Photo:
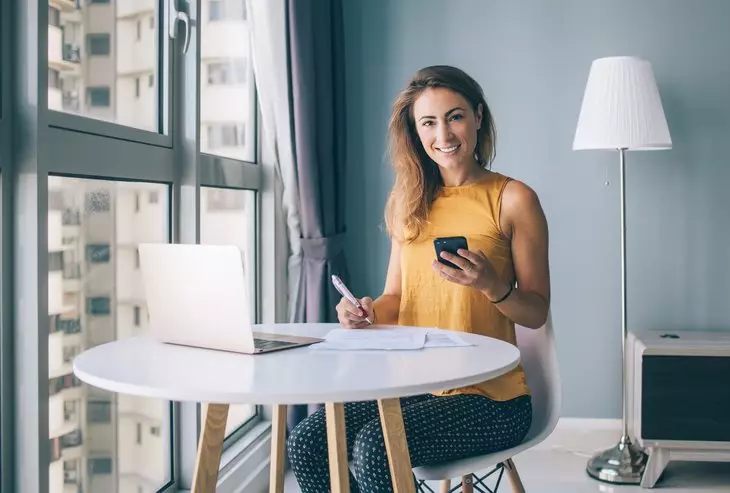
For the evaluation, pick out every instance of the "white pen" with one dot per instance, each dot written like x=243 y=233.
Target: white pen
x=342 y=289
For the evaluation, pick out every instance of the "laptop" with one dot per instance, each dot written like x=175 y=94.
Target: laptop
x=197 y=295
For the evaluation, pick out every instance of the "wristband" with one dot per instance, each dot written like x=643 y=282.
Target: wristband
x=509 y=292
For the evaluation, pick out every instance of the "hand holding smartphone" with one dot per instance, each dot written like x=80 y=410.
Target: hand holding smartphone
x=450 y=244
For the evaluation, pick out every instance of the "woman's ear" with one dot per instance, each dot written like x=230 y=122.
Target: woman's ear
x=479 y=116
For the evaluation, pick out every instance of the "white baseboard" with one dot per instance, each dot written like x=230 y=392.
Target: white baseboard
x=582 y=436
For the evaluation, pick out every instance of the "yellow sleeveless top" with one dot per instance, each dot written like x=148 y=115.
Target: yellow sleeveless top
x=427 y=300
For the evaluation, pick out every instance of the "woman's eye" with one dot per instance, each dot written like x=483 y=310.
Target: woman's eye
x=427 y=123
x=456 y=117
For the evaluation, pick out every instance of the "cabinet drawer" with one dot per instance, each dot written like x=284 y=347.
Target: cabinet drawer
x=686 y=398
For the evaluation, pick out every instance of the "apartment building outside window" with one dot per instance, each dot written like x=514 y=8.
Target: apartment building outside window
x=108 y=166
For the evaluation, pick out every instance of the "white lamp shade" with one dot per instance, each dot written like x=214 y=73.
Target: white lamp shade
x=621 y=108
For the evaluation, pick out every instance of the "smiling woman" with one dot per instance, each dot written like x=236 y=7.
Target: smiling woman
x=442 y=145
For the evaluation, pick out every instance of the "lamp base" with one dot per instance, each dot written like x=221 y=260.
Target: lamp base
x=622 y=464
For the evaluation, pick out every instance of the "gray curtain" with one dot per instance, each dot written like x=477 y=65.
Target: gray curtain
x=316 y=51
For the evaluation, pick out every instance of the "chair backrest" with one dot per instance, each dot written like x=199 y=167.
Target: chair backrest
x=540 y=362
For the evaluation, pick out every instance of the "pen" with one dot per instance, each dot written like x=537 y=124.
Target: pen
x=342 y=289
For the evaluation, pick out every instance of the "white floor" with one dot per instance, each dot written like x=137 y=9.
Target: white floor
x=558 y=466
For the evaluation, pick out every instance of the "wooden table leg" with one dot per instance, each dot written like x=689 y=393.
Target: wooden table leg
x=210 y=446
x=391 y=418
x=278 y=450
x=337 y=447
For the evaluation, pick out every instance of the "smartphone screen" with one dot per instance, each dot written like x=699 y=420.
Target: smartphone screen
x=449 y=244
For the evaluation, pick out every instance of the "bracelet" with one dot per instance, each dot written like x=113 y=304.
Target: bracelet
x=509 y=292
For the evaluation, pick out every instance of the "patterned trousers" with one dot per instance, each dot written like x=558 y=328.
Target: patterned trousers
x=438 y=429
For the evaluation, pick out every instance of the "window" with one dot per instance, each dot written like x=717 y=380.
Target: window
x=219 y=10
x=99 y=411
x=98 y=466
x=99 y=305
x=70 y=352
x=54 y=79
x=155 y=431
x=96 y=254
x=215 y=10
x=226 y=135
x=136 y=258
x=229 y=72
x=136 y=87
x=98 y=97
x=55 y=261
x=110 y=46
x=106 y=303
x=227 y=88
x=154 y=197
x=54 y=17
x=228 y=217
x=98 y=44
x=151 y=80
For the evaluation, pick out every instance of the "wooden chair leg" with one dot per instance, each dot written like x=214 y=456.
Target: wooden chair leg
x=467 y=483
x=445 y=486
x=514 y=476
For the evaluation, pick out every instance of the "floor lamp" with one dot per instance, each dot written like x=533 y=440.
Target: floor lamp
x=621 y=111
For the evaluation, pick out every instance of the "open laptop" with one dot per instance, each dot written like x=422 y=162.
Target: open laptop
x=197 y=295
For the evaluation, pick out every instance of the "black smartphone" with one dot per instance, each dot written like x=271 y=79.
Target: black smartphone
x=449 y=244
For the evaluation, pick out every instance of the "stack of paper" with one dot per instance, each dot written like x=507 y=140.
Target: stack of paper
x=388 y=339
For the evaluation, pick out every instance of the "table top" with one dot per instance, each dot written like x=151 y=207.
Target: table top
x=146 y=367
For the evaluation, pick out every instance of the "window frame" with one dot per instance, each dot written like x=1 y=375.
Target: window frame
x=62 y=144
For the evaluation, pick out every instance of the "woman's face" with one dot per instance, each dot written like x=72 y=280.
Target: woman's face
x=447 y=127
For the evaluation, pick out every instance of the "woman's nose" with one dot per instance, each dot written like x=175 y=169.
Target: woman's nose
x=444 y=133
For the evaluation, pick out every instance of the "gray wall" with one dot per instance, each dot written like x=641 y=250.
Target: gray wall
x=532 y=59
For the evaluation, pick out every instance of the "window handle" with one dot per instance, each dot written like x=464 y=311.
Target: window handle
x=175 y=17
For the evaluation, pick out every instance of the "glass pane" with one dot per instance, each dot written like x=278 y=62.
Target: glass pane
x=103 y=59
x=228 y=217
x=227 y=102
x=101 y=441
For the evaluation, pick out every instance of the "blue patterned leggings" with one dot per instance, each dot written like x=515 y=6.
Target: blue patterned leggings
x=438 y=429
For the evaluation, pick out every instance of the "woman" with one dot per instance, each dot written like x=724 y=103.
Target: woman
x=442 y=140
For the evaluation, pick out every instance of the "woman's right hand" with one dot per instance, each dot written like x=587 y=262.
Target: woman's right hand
x=352 y=317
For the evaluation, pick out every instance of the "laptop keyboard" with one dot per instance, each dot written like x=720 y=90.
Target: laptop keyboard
x=269 y=344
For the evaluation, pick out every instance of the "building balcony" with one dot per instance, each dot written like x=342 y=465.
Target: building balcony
x=71 y=53
x=56 y=50
x=65 y=5
x=67 y=447
x=134 y=8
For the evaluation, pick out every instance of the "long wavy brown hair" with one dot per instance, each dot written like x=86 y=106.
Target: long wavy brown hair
x=417 y=176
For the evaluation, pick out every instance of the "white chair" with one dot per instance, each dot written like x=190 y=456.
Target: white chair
x=539 y=360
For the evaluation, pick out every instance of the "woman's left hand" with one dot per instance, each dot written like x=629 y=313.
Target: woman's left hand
x=476 y=271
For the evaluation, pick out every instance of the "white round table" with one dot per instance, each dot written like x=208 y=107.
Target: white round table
x=145 y=367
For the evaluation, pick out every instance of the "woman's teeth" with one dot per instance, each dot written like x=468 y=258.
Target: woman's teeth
x=448 y=150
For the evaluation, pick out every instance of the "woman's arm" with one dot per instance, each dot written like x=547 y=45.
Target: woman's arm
x=387 y=305
x=383 y=310
x=523 y=221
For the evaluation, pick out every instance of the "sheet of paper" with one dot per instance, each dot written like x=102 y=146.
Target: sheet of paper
x=372 y=339
x=390 y=338
x=445 y=339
